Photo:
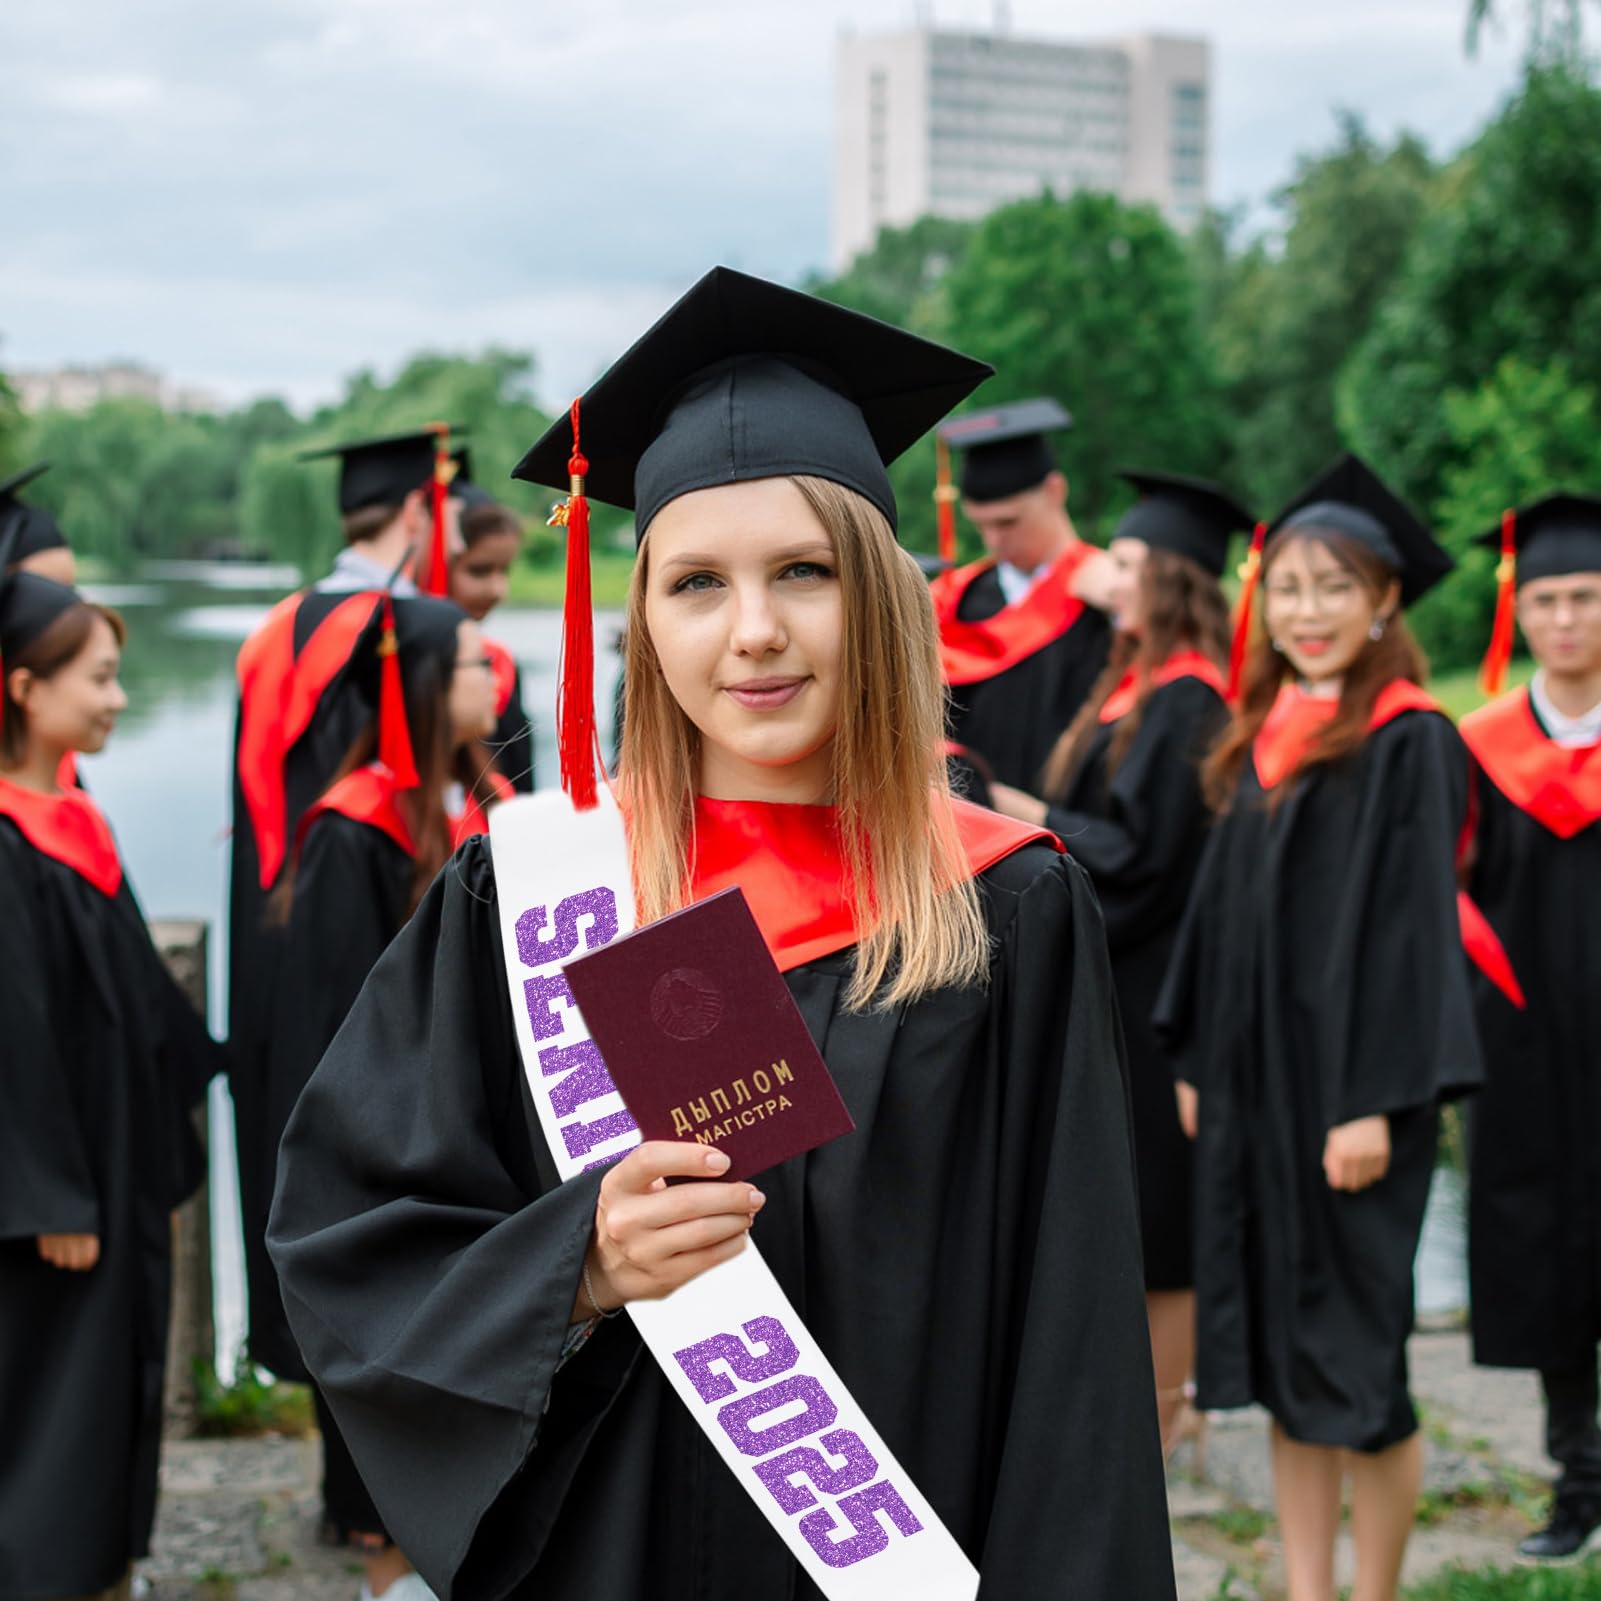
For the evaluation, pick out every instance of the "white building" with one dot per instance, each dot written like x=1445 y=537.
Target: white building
x=79 y=388
x=947 y=123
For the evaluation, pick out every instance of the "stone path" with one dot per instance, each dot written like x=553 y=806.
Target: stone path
x=238 y=1518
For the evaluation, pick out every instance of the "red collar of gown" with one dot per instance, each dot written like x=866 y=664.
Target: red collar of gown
x=1297 y=719
x=1181 y=664
x=787 y=859
x=368 y=796
x=971 y=652
x=1558 y=786
x=69 y=828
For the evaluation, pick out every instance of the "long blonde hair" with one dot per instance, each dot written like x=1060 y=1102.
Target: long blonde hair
x=913 y=896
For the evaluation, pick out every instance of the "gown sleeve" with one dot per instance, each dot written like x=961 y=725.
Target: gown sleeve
x=1138 y=850
x=1408 y=1036
x=46 y=1186
x=1079 y=1278
x=410 y=1153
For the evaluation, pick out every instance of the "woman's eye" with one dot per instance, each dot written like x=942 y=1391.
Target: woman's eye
x=808 y=569
x=695 y=581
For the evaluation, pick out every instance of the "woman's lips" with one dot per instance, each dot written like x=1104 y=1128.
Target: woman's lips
x=766 y=694
x=1312 y=647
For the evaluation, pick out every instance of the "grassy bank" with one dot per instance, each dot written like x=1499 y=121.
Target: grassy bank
x=1459 y=692
x=1512 y=1584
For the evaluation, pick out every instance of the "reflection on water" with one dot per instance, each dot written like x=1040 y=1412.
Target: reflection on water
x=164 y=782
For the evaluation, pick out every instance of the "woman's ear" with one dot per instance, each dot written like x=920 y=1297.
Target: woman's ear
x=1391 y=604
x=18 y=682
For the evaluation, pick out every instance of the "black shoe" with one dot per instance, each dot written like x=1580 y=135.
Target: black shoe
x=1574 y=1529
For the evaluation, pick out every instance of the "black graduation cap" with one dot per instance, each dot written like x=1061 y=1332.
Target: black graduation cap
x=28 y=606
x=744 y=379
x=1349 y=498
x=382 y=472
x=1005 y=449
x=35 y=528
x=1553 y=537
x=1190 y=516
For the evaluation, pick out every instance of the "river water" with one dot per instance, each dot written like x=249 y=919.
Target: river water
x=164 y=782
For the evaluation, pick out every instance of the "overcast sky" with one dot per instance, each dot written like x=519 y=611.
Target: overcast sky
x=266 y=195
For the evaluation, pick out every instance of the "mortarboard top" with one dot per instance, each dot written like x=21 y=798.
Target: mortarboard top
x=742 y=379
x=1190 y=516
x=381 y=472
x=36 y=529
x=1349 y=498
x=1554 y=537
x=1005 y=448
x=29 y=604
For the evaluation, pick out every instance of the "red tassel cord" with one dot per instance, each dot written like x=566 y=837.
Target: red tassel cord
x=575 y=702
x=435 y=576
x=945 y=502
x=1492 y=674
x=1250 y=572
x=394 y=732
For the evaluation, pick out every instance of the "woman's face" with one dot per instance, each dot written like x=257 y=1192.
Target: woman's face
x=479 y=577
x=1126 y=594
x=1319 y=612
x=75 y=708
x=57 y=564
x=472 y=688
x=745 y=612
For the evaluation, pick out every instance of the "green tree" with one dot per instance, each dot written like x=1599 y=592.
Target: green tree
x=1509 y=264
x=1094 y=302
x=1555 y=27
x=1283 y=323
x=899 y=279
x=1523 y=433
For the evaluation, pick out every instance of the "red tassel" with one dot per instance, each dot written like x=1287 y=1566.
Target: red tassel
x=575 y=701
x=945 y=502
x=394 y=732
x=1492 y=674
x=435 y=577
x=1250 y=572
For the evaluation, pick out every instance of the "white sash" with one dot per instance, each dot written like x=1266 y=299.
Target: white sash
x=730 y=1343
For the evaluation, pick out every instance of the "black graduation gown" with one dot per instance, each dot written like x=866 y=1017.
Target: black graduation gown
x=1140 y=835
x=1534 y=1209
x=101 y=1061
x=513 y=740
x=1319 y=978
x=1013 y=719
x=255 y=942
x=969 y=1258
x=349 y=901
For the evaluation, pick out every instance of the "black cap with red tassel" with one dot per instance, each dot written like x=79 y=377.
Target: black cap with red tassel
x=394 y=731
x=575 y=700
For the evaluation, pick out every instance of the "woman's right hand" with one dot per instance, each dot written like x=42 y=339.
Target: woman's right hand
x=77 y=1253
x=652 y=1236
x=1189 y=1100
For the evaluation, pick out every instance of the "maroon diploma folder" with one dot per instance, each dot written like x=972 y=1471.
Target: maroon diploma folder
x=703 y=1040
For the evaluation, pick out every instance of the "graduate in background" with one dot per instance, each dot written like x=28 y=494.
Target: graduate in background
x=37 y=544
x=1123 y=793
x=365 y=852
x=1319 y=1005
x=298 y=713
x=1534 y=1212
x=968 y=1258
x=1022 y=632
x=492 y=536
x=103 y=1058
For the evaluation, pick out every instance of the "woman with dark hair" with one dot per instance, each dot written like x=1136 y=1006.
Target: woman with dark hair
x=962 y=1268
x=1318 y=1002
x=363 y=856
x=1123 y=793
x=492 y=536
x=102 y=1059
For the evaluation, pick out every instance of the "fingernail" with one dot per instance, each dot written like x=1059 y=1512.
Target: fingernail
x=717 y=1162
x=757 y=1199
